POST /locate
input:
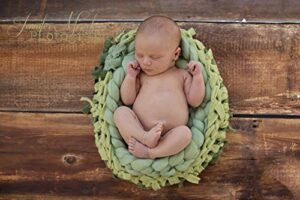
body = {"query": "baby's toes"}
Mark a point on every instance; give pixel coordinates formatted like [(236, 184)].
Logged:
[(160, 125), (158, 130), (130, 149), (163, 123), (155, 128), (131, 142)]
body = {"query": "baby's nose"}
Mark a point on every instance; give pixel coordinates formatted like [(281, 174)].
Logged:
[(146, 61)]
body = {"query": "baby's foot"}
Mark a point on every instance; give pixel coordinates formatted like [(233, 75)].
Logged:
[(138, 149), (151, 137)]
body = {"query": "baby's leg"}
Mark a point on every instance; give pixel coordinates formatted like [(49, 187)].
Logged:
[(171, 143), (130, 127)]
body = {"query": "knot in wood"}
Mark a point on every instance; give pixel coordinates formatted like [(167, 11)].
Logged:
[(69, 159)]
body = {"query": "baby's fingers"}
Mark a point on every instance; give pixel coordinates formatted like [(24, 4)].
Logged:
[(132, 64), (191, 67), (129, 66), (194, 67)]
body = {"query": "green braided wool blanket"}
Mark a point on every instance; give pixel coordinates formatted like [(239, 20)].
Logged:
[(208, 122)]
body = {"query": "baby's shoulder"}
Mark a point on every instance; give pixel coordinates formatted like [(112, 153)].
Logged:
[(182, 72), (178, 70)]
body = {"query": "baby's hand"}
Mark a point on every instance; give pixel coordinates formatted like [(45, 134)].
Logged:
[(194, 68), (133, 68)]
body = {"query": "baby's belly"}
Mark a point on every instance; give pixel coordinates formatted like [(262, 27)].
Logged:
[(169, 107)]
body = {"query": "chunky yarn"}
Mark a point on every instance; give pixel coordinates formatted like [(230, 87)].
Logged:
[(208, 122)]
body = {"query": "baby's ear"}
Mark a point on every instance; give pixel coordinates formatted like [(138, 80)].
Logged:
[(177, 52)]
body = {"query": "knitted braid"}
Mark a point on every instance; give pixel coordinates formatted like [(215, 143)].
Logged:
[(208, 122)]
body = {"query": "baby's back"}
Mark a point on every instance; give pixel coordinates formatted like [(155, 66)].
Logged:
[(161, 98)]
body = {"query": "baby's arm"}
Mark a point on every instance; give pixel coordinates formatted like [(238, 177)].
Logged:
[(131, 83), (194, 86)]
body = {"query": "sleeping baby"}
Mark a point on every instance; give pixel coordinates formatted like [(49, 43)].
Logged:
[(159, 92)]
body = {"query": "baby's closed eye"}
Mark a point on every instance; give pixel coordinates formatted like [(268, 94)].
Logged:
[(139, 55), (155, 57)]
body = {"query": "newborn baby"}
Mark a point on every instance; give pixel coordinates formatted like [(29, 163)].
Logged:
[(159, 91)]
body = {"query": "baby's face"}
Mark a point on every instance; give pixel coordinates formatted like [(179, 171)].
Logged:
[(154, 55)]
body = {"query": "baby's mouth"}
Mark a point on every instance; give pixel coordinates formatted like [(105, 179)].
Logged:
[(147, 69)]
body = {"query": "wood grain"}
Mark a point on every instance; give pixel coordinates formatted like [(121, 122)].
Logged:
[(48, 67), (189, 10), (49, 48), (55, 154)]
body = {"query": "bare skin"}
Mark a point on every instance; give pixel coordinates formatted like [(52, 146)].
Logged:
[(160, 94)]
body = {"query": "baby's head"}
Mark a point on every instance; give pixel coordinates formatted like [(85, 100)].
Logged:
[(157, 44)]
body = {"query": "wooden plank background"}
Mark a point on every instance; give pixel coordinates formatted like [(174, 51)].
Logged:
[(55, 152), (51, 71), (47, 52), (275, 11)]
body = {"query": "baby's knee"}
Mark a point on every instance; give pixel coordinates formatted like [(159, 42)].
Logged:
[(120, 111), (187, 133)]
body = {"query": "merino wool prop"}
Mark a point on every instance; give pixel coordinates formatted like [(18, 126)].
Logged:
[(208, 122)]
